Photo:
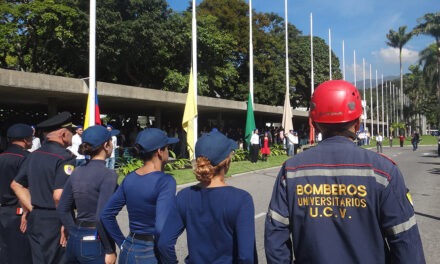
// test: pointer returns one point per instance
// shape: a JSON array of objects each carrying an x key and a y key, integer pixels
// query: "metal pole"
[
  {"x": 354, "y": 67},
  {"x": 251, "y": 56},
  {"x": 364, "y": 98},
  {"x": 371, "y": 104},
  {"x": 343, "y": 61},
  {"x": 330, "y": 53},
  {"x": 383, "y": 112},
  {"x": 92, "y": 63},
  {"x": 377, "y": 105}
]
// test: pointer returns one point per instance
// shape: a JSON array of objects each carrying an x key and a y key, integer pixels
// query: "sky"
[{"x": 361, "y": 24}]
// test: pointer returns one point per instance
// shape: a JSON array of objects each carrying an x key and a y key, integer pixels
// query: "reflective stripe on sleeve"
[
  {"x": 279, "y": 218},
  {"x": 405, "y": 226},
  {"x": 338, "y": 172}
]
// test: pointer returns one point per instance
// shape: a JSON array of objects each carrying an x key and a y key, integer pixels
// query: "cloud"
[{"x": 391, "y": 55}]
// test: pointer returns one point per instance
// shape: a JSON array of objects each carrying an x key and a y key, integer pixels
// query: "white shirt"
[
  {"x": 76, "y": 141},
  {"x": 295, "y": 139},
  {"x": 379, "y": 138},
  {"x": 255, "y": 139},
  {"x": 115, "y": 145},
  {"x": 290, "y": 139},
  {"x": 319, "y": 137},
  {"x": 36, "y": 144}
]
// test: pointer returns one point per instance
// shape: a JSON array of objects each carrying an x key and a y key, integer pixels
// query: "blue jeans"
[
  {"x": 84, "y": 251},
  {"x": 135, "y": 251}
]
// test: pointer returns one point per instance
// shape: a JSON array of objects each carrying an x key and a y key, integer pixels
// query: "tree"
[
  {"x": 428, "y": 60},
  {"x": 429, "y": 24},
  {"x": 41, "y": 36},
  {"x": 299, "y": 51},
  {"x": 398, "y": 39}
]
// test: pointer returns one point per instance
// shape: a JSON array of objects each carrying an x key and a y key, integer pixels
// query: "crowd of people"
[{"x": 55, "y": 208}]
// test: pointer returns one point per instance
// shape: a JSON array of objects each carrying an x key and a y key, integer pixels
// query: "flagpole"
[
  {"x": 92, "y": 63},
  {"x": 287, "y": 49},
  {"x": 383, "y": 112},
  {"x": 377, "y": 106},
  {"x": 354, "y": 67},
  {"x": 287, "y": 112},
  {"x": 194, "y": 66},
  {"x": 251, "y": 56},
  {"x": 364, "y": 98},
  {"x": 343, "y": 60},
  {"x": 312, "y": 79},
  {"x": 330, "y": 53},
  {"x": 387, "y": 106},
  {"x": 371, "y": 105}
]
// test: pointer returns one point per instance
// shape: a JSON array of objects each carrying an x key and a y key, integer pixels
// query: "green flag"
[{"x": 250, "y": 121}]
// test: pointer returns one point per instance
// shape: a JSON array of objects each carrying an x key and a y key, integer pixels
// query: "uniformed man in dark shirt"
[
  {"x": 339, "y": 203},
  {"x": 42, "y": 177},
  {"x": 14, "y": 245}
]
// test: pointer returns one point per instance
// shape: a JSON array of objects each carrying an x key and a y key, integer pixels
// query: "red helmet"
[{"x": 335, "y": 102}]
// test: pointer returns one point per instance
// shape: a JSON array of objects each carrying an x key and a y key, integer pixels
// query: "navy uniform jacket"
[
  {"x": 10, "y": 162},
  {"x": 338, "y": 203},
  {"x": 44, "y": 171}
]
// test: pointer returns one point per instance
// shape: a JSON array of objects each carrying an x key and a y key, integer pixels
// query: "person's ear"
[
  {"x": 108, "y": 147},
  {"x": 357, "y": 125}
]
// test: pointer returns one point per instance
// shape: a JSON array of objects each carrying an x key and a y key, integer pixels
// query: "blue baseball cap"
[
  {"x": 153, "y": 138},
  {"x": 215, "y": 146},
  {"x": 97, "y": 135},
  {"x": 19, "y": 131}
]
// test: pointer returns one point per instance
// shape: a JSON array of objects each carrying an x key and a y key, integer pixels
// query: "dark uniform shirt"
[
  {"x": 341, "y": 204},
  {"x": 10, "y": 163},
  {"x": 44, "y": 171},
  {"x": 88, "y": 188}
]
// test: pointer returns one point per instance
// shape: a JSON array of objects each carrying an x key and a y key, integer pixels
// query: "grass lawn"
[{"x": 186, "y": 175}]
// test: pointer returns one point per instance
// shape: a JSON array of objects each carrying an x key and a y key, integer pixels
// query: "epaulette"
[{"x": 386, "y": 157}]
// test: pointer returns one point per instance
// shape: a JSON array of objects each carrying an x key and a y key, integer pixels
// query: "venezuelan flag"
[{"x": 97, "y": 112}]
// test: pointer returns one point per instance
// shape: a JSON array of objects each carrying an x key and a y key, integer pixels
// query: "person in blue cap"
[
  {"x": 148, "y": 193},
  {"x": 88, "y": 189},
  {"x": 219, "y": 219},
  {"x": 14, "y": 245},
  {"x": 39, "y": 185}
]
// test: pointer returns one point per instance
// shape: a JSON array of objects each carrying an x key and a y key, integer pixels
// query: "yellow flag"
[
  {"x": 87, "y": 115},
  {"x": 189, "y": 116}
]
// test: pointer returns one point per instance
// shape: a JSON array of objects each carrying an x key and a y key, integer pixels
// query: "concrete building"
[{"x": 31, "y": 97}]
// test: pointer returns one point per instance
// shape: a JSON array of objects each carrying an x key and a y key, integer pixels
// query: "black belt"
[
  {"x": 8, "y": 205},
  {"x": 43, "y": 208},
  {"x": 85, "y": 224},
  {"x": 143, "y": 237}
]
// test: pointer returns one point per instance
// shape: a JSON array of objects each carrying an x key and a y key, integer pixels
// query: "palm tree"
[
  {"x": 398, "y": 40},
  {"x": 429, "y": 24}
]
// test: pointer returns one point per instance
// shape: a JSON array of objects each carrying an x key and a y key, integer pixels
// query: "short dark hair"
[{"x": 341, "y": 129}]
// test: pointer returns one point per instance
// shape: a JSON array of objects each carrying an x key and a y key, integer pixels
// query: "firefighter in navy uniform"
[
  {"x": 39, "y": 185},
  {"x": 14, "y": 245},
  {"x": 336, "y": 202}
]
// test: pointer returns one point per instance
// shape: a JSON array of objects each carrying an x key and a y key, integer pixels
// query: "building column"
[
  {"x": 158, "y": 118},
  {"x": 52, "y": 106}
]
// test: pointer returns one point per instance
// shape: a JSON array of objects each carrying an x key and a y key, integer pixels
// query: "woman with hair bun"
[
  {"x": 219, "y": 219},
  {"x": 148, "y": 193},
  {"x": 88, "y": 188}
]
